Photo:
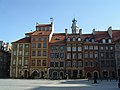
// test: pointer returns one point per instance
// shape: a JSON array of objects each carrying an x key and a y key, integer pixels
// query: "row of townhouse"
[{"x": 45, "y": 54}]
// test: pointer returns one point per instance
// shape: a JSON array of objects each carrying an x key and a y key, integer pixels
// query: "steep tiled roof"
[
  {"x": 23, "y": 40},
  {"x": 39, "y": 32},
  {"x": 101, "y": 34},
  {"x": 84, "y": 36},
  {"x": 29, "y": 33},
  {"x": 115, "y": 35},
  {"x": 57, "y": 38}
]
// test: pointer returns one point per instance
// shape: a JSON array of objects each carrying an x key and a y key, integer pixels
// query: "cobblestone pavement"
[{"x": 40, "y": 84}]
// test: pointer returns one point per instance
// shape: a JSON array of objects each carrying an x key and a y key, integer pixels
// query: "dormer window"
[
  {"x": 68, "y": 39},
  {"x": 92, "y": 40},
  {"x": 87, "y": 39},
  {"x": 79, "y": 39},
  {"x": 109, "y": 40},
  {"x": 74, "y": 39},
  {"x": 103, "y": 41}
]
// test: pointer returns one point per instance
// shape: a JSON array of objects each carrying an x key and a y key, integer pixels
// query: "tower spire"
[{"x": 74, "y": 26}]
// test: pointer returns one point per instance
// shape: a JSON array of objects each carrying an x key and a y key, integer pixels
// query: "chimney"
[
  {"x": 66, "y": 31},
  {"x": 110, "y": 31},
  {"x": 93, "y": 31},
  {"x": 80, "y": 31}
]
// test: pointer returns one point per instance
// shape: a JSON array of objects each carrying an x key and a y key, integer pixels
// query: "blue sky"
[{"x": 20, "y": 16}]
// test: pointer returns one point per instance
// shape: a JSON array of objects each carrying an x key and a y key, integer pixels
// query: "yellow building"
[{"x": 20, "y": 58}]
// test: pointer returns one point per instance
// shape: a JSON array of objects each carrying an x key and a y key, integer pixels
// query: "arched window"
[
  {"x": 68, "y": 39},
  {"x": 79, "y": 39},
  {"x": 74, "y": 39}
]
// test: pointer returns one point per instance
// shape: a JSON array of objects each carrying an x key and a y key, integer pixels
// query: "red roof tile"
[
  {"x": 101, "y": 34},
  {"x": 115, "y": 35},
  {"x": 58, "y": 38},
  {"x": 39, "y": 32},
  {"x": 23, "y": 40}
]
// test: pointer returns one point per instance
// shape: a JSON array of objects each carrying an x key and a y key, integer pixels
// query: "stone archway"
[
  {"x": 35, "y": 73},
  {"x": 61, "y": 74},
  {"x": 55, "y": 75},
  {"x": 105, "y": 74},
  {"x": 88, "y": 75},
  {"x": 95, "y": 74}
]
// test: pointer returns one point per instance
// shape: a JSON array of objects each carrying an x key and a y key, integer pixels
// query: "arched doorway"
[
  {"x": 25, "y": 73},
  {"x": 61, "y": 75},
  {"x": 113, "y": 74},
  {"x": 105, "y": 74},
  {"x": 95, "y": 75},
  {"x": 88, "y": 75},
  {"x": 35, "y": 73},
  {"x": 55, "y": 75}
]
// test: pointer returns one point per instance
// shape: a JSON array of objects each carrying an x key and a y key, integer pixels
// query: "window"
[
  {"x": 79, "y": 63},
  {"x": 68, "y": 44},
  {"x": 44, "y": 62},
  {"x": 33, "y": 45},
  {"x": 111, "y": 48},
  {"x": 61, "y": 55},
  {"x": 102, "y": 55},
  {"x": 86, "y": 54},
  {"x": 91, "y": 63},
  {"x": 20, "y": 46},
  {"x": 74, "y": 39},
  {"x": 39, "y": 45},
  {"x": 51, "y": 64},
  {"x": 103, "y": 41},
  {"x": 33, "y": 62},
  {"x": 26, "y": 61},
  {"x": 68, "y": 48},
  {"x": 95, "y": 47},
  {"x": 61, "y": 64},
  {"x": 38, "y": 62},
  {"x": 87, "y": 39},
  {"x": 79, "y": 48},
  {"x": 44, "y": 53},
  {"x": 86, "y": 47},
  {"x": 19, "y": 61},
  {"x": 38, "y": 53},
  {"x": 68, "y": 55},
  {"x": 14, "y": 62},
  {"x": 79, "y": 55},
  {"x": 56, "y": 64},
  {"x": 61, "y": 48},
  {"x": 92, "y": 40},
  {"x": 109, "y": 41},
  {"x": 26, "y": 53},
  {"x": 68, "y": 39},
  {"x": 91, "y": 55},
  {"x": 79, "y": 39},
  {"x": 39, "y": 39},
  {"x": 56, "y": 55},
  {"x": 20, "y": 52},
  {"x": 14, "y": 52},
  {"x": 73, "y": 48},
  {"x": 56, "y": 47},
  {"x": 33, "y": 53},
  {"x": 101, "y": 47},
  {"x": 26, "y": 46},
  {"x": 106, "y": 47},
  {"x": 86, "y": 63},
  {"x": 96, "y": 55},
  {"x": 33, "y": 39},
  {"x": 44, "y": 45},
  {"x": 96, "y": 64},
  {"x": 91, "y": 47},
  {"x": 68, "y": 64},
  {"x": 74, "y": 56},
  {"x": 14, "y": 46},
  {"x": 52, "y": 55},
  {"x": 74, "y": 64},
  {"x": 45, "y": 39}
]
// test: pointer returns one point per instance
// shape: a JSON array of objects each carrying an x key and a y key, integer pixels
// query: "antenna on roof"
[{"x": 51, "y": 19}]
